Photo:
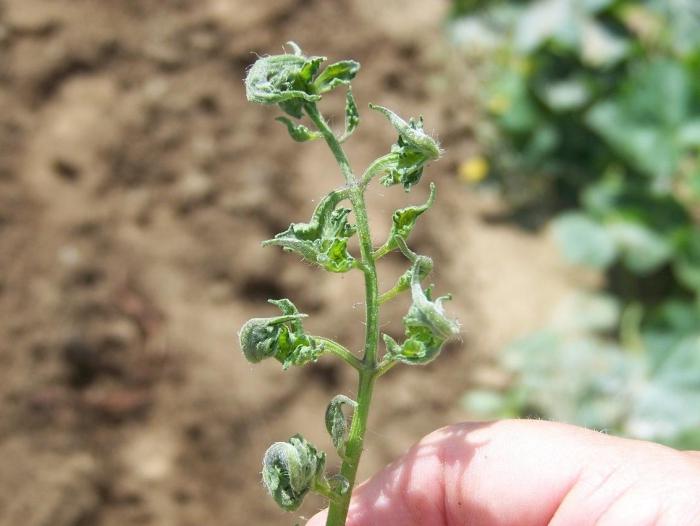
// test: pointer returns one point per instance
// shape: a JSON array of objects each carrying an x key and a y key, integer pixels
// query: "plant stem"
[
  {"x": 378, "y": 166},
  {"x": 332, "y": 141},
  {"x": 340, "y": 351},
  {"x": 338, "y": 509},
  {"x": 391, "y": 294},
  {"x": 383, "y": 251}
]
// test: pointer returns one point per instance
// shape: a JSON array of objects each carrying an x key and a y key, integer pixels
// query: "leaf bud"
[
  {"x": 293, "y": 79},
  {"x": 280, "y": 337},
  {"x": 290, "y": 470},
  {"x": 336, "y": 422}
]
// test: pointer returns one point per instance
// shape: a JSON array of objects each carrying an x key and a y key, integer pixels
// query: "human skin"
[{"x": 530, "y": 473}]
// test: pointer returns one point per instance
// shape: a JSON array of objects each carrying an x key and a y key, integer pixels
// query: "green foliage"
[
  {"x": 427, "y": 325},
  {"x": 647, "y": 386},
  {"x": 323, "y": 240},
  {"x": 293, "y": 82},
  {"x": 593, "y": 107}
]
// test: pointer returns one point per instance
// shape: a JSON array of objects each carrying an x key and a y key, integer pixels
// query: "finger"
[{"x": 510, "y": 472}]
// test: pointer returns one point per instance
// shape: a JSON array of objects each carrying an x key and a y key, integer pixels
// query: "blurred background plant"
[{"x": 589, "y": 117}]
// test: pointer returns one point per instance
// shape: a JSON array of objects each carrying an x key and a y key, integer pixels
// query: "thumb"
[{"x": 529, "y": 473}]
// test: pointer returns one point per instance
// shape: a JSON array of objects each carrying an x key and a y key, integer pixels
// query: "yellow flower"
[
  {"x": 473, "y": 170},
  {"x": 499, "y": 104}
]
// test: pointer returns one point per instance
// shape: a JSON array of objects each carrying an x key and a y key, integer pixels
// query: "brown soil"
[{"x": 136, "y": 184}]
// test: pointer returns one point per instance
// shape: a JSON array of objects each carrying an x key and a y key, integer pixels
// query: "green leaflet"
[
  {"x": 324, "y": 239},
  {"x": 413, "y": 149},
  {"x": 427, "y": 326},
  {"x": 352, "y": 116},
  {"x": 336, "y": 422},
  {"x": 279, "y": 337},
  {"x": 404, "y": 219},
  {"x": 338, "y": 74},
  {"x": 299, "y": 132},
  {"x": 290, "y": 470}
]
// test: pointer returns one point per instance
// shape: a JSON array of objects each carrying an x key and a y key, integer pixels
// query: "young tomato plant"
[{"x": 296, "y": 84}]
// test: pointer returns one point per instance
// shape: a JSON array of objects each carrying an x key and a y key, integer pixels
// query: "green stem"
[
  {"x": 324, "y": 490},
  {"x": 391, "y": 294},
  {"x": 340, "y": 351},
  {"x": 385, "y": 366},
  {"x": 383, "y": 250},
  {"x": 338, "y": 509},
  {"x": 378, "y": 166},
  {"x": 332, "y": 141}
]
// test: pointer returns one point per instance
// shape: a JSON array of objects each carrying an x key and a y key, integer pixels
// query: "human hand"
[{"x": 530, "y": 473}]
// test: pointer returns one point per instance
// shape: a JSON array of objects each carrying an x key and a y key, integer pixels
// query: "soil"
[{"x": 136, "y": 184}]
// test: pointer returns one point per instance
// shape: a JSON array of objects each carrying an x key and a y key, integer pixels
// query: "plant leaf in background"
[
  {"x": 642, "y": 250},
  {"x": 583, "y": 241},
  {"x": 646, "y": 123},
  {"x": 591, "y": 109},
  {"x": 570, "y": 24},
  {"x": 661, "y": 411}
]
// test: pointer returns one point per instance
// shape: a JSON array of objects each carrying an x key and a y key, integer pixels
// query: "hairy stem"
[
  {"x": 340, "y": 351},
  {"x": 378, "y": 166},
  {"x": 338, "y": 508},
  {"x": 332, "y": 141},
  {"x": 391, "y": 294}
]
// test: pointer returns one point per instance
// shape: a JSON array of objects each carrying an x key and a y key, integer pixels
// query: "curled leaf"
[
  {"x": 427, "y": 327},
  {"x": 283, "y": 78},
  {"x": 413, "y": 149},
  {"x": 352, "y": 116},
  {"x": 404, "y": 219},
  {"x": 290, "y": 470},
  {"x": 338, "y": 74},
  {"x": 336, "y": 422},
  {"x": 324, "y": 239},
  {"x": 280, "y": 337},
  {"x": 299, "y": 132},
  {"x": 292, "y": 80}
]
